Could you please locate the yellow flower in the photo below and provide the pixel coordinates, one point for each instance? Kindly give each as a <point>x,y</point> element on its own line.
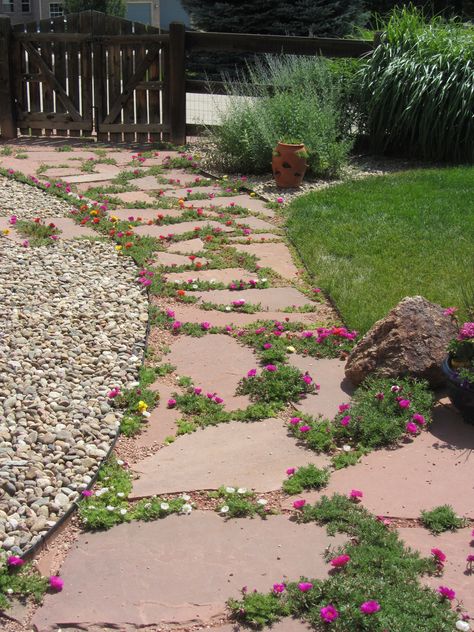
<point>113,218</point>
<point>142,406</point>
<point>252,194</point>
<point>6,231</point>
<point>118,248</point>
<point>94,212</point>
<point>225,177</point>
<point>291,349</point>
<point>130,226</point>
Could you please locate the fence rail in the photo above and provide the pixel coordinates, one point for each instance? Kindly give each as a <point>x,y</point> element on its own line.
<point>90,73</point>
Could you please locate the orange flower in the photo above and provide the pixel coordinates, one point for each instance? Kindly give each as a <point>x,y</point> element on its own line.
<point>96,220</point>
<point>129,233</point>
<point>129,244</point>
<point>180,292</point>
<point>198,264</point>
<point>150,222</point>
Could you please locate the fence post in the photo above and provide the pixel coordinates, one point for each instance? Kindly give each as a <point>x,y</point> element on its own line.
<point>177,83</point>
<point>7,104</point>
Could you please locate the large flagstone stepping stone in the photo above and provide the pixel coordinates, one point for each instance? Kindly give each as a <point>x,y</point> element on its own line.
<point>179,229</point>
<point>222,201</point>
<point>256,238</point>
<point>335,388</point>
<point>188,246</point>
<point>171,259</point>
<point>272,298</point>
<point>255,223</point>
<point>255,204</point>
<point>145,214</point>
<point>69,229</point>
<point>178,177</point>
<point>215,362</point>
<point>60,172</point>
<point>136,196</point>
<point>433,469</point>
<point>226,275</point>
<point>101,176</point>
<point>254,455</point>
<point>183,192</point>
<point>149,183</point>
<point>275,256</point>
<point>456,546</point>
<point>180,570</point>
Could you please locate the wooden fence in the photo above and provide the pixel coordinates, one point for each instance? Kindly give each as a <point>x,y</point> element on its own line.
<point>88,73</point>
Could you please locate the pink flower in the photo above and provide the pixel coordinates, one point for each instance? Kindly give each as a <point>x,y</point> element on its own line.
<point>343,407</point>
<point>205,326</point>
<point>329,613</point>
<point>305,428</point>
<point>307,379</point>
<point>439,555</point>
<point>252,373</point>
<point>385,521</point>
<point>13,560</point>
<point>54,237</point>
<point>210,395</point>
<point>86,493</point>
<point>449,311</point>
<point>176,326</point>
<point>299,504</point>
<point>404,403</point>
<point>345,420</point>
<point>380,396</point>
<point>370,607</point>
<point>171,403</point>
<point>316,290</point>
<point>114,392</point>
<point>355,494</point>
<point>412,428</point>
<point>13,220</point>
<point>290,471</point>
<point>271,368</point>
<point>419,419</point>
<point>197,390</point>
<point>56,583</point>
<point>294,421</point>
<point>267,345</point>
<point>305,586</point>
<point>170,313</point>
<point>395,388</point>
<point>446,593</point>
<point>340,561</point>
<point>280,200</point>
<point>218,400</point>
<point>278,588</point>
<point>25,243</point>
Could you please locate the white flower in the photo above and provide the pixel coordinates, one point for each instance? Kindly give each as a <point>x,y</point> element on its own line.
<point>263,280</point>
<point>228,308</point>
<point>186,508</point>
<point>212,281</point>
<point>10,591</point>
<point>463,626</point>
<point>178,281</point>
<point>230,490</point>
<point>165,506</point>
<point>242,490</point>
<point>346,448</point>
<point>146,414</point>
<point>110,507</point>
<point>194,286</point>
<point>119,461</point>
<point>120,494</point>
<point>101,492</point>
<point>147,505</point>
<point>123,512</point>
<point>224,509</point>
<point>185,497</point>
<point>91,506</point>
<point>261,501</point>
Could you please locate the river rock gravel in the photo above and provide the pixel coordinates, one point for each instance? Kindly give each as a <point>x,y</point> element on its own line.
<point>28,202</point>
<point>72,326</point>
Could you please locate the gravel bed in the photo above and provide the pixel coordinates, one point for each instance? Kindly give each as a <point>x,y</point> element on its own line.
<point>72,326</point>
<point>28,202</point>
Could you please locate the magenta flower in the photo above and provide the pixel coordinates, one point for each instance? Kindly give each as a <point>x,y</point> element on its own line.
<point>305,586</point>
<point>25,243</point>
<point>370,607</point>
<point>197,390</point>
<point>114,392</point>
<point>86,493</point>
<point>447,593</point>
<point>412,428</point>
<point>170,313</point>
<point>146,282</point>
<point>299,504</point>
<point>280,200</point>
<point>13,220</point>
<point>345,420</point>
<point>210,395</point>
<point>395,388</point>
<point>449,311</point>
<point>419,419</point>
<point>439,555</point>
<point>218,400</point>
<point>294,421</point>
<point>271,368</point>
<point>278,588</point>
<point>344,407</point>
<point>56,583</point>
<point>14,561</point>
<point>205,326</point>
<point>404,403</point>
<point>267,345</point>
<point>355,494</point>
<point>380,396</point>
<point>260,330</point>
<point>328,613</point>
<point>171,403</point>
<point>340,561</point>
<point>307,379</point>
<point>252,373</point>
<point>305,428</point>
<point>176,326</point>
<point>290,471</point>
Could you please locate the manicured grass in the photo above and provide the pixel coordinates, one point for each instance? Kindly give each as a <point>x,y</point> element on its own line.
<point>371,242</point>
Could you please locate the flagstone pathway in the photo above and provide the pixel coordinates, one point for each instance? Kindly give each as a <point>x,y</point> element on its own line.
<point>177,573</point>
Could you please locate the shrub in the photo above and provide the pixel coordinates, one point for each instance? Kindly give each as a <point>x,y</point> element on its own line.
<point>442,518</point>
<point>419,85</point>
<point>304,106</point>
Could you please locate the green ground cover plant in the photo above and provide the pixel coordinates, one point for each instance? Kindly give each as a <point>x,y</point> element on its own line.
<point>305,478</point>
<point>19,581</point>
<point>239,502</point>
<point>371,242</point>
<point>37,232</point>
<point>442,518</point>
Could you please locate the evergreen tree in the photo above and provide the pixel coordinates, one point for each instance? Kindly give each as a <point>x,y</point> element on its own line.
<point>111,7</point>
<point>323,18</point>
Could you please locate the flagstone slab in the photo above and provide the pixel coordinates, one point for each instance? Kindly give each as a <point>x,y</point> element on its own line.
<point>220,201</point>
<point>13,235</point>
<point>226,275</point>
<point>179,178</point>
<point>215,362</point>
<point>145,214</point>
<point>69,229</point>
<point>255,204</point>
<point>179,229</point>
<point>335,387</point>
<point>61,172</point>
<point>213,189</point>
<point>149,183</point>
<point>171,259</point>
<point>272,298</point>
<point>433,469</point>
<point>104,174</point>
<point>276,256</point>
<point>255,223</point>
<point>255,455</point>
<point>256,238</point>
<point>136,196</point>
<point>189,246</point>
<point>456,546</point>
<point>162,420</point>
<point>178,570</point>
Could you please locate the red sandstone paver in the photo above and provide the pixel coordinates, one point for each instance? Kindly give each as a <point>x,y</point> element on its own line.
<point>179,229</point>
<point>433,469</point>
<point>256,238</point>
<point>179,570</point>
<point>101,176</point>
<point>162,422</point>
<point>135,196</point>
<point>179,178</point>
<point>187,246</point>
<point>170,259</point>
<point>253,455</point>
<point>149,183</point>
<point>255,223</point>
<point>213,189</point>
<point>456,546</point>
<point>215,362</point>
<point>272,298</point>
<point>335,388</point>
<point>275,256</point>
<point>61,172</point>
<point>69,229</point>
<point>226,275</point>
<point>255,204</point>
<point>145,214</point>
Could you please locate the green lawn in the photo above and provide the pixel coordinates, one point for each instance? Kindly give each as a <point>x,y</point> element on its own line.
<point>369,243</point>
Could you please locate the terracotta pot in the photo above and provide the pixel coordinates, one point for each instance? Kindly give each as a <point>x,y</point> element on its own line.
<point>288,165</point>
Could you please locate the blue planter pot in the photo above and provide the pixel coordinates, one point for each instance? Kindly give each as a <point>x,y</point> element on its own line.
<point>461,397</point>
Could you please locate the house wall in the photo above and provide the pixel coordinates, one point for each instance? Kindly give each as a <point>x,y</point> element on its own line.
<point>18,16</point>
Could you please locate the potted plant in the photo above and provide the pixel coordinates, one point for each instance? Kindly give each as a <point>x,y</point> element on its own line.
<point>458,369</point>
<point>289,163</point>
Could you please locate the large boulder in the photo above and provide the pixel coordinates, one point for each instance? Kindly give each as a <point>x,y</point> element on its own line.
<point>411,340</point>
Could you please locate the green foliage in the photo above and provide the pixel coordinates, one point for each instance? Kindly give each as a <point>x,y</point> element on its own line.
<point>239,502</point>
<point>258,610</point>
<point>304,104</point>
<point>111,7</point>
<point>157,508</point>
<point>305,478</point>
<point>19,582</point>
<point>319,437</point>
<point>285,384</point>
<point>39,234</point>
<point>132,400</point>
<point>442,518</point>
<point>6,151</point>
<point>418,86</point>
<point>349,237</point>
<point>345,459</point>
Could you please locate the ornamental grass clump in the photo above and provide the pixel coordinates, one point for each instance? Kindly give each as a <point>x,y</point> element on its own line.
<point>419,86</point>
